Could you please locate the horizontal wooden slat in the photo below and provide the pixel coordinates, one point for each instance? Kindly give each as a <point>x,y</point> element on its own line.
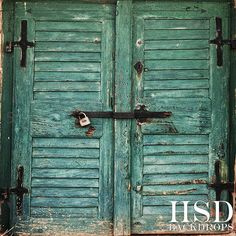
<point>182,125</point>
<point>64,192</point>
<point>182,93</point>
<point>67,56</point>
<point>68,26</point>
<point>180,106</point>
<point>175,34</point>
<point>67,87</point>
<point>63,108</point>
<point>164,212</point>
<point>175,139</point>
<point>166,200</point>
<point>173,179</point>
<point>66,76</point>
<point>65,153</point>
<point>176,169</point>
<point>81,96</point>
<point>176,44</point>
<point>177,54</point>
<point>176,74</point>
<point>176,24</point>
<point>176,84</point>
<point>64,212</point>
<point>67,47</point>
<point>65,173</point>
<point>175,159</point>
<point>64,183</point>
<point>187,189</point>
<point>65,143</point>
<point>64,202</point>
<point>61,163</point>
<point>68,66</point>
<point>49,36</point>
<point>176,64</point>
<point>175,149</point>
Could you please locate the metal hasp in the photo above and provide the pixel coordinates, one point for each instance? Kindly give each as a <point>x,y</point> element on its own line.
<point>220,42</point>
<point>220,186</point>
<point>23,44</point>
<point>137,114</point>
<point>19,190</point>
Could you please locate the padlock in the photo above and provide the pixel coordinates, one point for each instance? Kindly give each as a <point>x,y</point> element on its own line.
<point>83,119</point>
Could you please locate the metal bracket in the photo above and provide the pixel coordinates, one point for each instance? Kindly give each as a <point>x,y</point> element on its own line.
<point>220,42</point>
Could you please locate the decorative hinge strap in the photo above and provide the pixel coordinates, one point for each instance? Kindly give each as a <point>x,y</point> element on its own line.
<point>220,42</point>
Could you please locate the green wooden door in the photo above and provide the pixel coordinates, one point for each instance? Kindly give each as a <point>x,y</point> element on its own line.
<point>67,169</point>
<point>174,158</point>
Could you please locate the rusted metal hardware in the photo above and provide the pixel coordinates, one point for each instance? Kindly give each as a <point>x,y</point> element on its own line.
<point>23,44</point>
<point>4,194</point>
<point>220,42</point>
<point>137,114</point>
<point>19,190</point>
<point>138,67</point>
<point>218,185</point>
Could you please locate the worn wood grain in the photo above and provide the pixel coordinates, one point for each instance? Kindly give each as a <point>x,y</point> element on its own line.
<point>177,44</point>
<point>67,87</point>
<point>176,74</point>
<point>55,183</point>
<point>168,179</point>
<point>67,56</point>
<point>176,24</point>
<point>49,36</point>
<point>67,47</point>
<point>176,159</point>
<point>64,192</point>
<point>39,212</point>
<point>122,214</point>
<point>66,76</point>
<point>73,212</point>
<point>153,34</point>
<point>177,54</point>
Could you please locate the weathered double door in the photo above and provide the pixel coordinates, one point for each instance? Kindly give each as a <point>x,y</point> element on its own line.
<point>116,175</point>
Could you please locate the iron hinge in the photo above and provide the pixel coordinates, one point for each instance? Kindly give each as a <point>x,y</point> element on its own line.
<point>219,186</point>
<point>229,186</point>
<point>219,41</point>
<point>19,191</point>
<point>23,43</point>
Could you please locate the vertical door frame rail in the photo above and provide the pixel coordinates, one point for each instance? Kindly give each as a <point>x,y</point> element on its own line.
<point>122,224</point>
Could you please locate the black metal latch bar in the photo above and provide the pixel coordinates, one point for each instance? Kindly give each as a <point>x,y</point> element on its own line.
<point>23,44</point>
<point>220,42</point>
<point>137,114</point>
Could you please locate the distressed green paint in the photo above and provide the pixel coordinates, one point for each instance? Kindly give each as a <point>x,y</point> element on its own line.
<point>57,144</point>
<point>123,96</point>
<point>232,99</point>
<point>163,164</point>
<point>56,154</point>
<point>6,109</point>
